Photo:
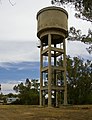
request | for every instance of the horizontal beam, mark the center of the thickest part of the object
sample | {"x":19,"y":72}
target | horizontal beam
{"x":57,"y":49}
{"x":44,"y":69}
{"x":58,"y":68}
{"x":57,"y":88}
{"x":44,"y":51}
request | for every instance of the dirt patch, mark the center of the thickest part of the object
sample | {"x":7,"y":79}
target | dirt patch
{"x":21,"y":112}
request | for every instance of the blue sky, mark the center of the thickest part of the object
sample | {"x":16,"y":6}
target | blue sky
{"x":18,"y":40}
{"x":15,"y":73}
{"x":18,"y":71}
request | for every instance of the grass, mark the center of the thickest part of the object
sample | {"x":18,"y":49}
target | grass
{"x":21,"y":112}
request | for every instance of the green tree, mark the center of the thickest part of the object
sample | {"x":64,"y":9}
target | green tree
{"x":11,"y":95}
{"x":82,"y":7}
{"x":76,"y":35}
{"x":0,"y":87}
{"x":83,"y":10}
{"x":79,"y":80}
{"x":79,"y":76}
{"x":27,"y":94}
{"x":35,"y":84}
{"x":1,"y":96}
{"x":79,"y":72}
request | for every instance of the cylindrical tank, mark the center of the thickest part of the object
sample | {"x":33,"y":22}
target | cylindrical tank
{"x":53,"y":20}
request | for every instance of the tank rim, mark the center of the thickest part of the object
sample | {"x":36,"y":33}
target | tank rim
{"x":51,"y":8}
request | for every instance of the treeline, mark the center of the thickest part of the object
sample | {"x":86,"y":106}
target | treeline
{"x":79,"y":84}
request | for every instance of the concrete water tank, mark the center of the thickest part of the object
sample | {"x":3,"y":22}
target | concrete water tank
{"x":52,"y":20}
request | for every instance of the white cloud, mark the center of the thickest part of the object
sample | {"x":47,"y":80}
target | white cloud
{"x":18,"y":29}
{"x":78,"y":49}
{"x":19,"y":22}
{"x":18,"y":25}
{"x":7,"y":88}
{"x":13,"y":51}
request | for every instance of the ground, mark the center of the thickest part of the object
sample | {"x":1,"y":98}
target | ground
{"x":21,"y":112}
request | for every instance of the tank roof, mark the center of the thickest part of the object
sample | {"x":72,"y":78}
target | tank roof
{"x":52,"y":8}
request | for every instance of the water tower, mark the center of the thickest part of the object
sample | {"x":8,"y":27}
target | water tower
{"x":52,"y":29}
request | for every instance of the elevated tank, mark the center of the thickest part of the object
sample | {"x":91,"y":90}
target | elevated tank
{"x":52,"y":29}
{"x":52,"y":20}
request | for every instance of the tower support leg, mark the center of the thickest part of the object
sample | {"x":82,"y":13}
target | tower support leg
{"x":49,"y":71}
{"x":41,"y":75}
{"x":64,"y":65}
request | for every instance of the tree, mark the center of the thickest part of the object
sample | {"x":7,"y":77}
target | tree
{"x":83,"y":7}
{"x":84,"y":11}
{"x":76,"y":35}
{"x":27,"y":94}
{"x":0,"y":87}
{"x":11,"y":2}
{"x":79,"y":76}
{"x":1,"y":96}
{"x":35,"y":84}
{"x":79,"y":80}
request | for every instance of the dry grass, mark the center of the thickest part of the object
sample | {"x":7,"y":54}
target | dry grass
{"x":12,"y":112}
